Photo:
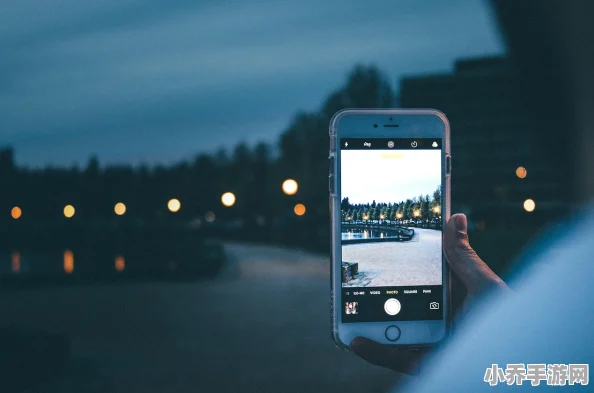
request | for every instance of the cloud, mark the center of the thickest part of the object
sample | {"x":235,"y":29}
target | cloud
{"x":94,"y":71}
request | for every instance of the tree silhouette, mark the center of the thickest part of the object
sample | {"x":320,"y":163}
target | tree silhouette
{"x":253,"y":173}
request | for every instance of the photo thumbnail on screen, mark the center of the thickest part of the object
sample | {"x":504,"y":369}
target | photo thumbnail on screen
{"x":391,"y":217}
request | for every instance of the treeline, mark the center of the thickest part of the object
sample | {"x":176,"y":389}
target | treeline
{"x":424,"y":208}
{"x":253,"y":173}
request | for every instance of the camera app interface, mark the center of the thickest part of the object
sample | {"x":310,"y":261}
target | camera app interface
{"x":391,"y":224}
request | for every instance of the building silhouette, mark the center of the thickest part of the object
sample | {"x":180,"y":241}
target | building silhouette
{"x":492,"y":135}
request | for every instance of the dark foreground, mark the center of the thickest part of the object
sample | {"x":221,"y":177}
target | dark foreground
{"x":262,"y":325}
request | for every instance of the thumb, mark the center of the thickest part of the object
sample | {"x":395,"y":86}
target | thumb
{"x":474,"y":274}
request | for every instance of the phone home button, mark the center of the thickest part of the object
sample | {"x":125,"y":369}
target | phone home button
{"x":393,"y":333}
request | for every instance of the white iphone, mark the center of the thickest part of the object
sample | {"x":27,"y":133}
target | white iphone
{"x":390,"y":200}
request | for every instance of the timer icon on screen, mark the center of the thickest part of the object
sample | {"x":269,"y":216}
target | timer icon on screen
{"x":414,"y":144}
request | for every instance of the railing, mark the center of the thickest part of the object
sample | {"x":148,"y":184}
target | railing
{"x":397,"y":233}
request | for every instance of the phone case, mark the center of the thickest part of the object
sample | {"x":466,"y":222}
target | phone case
{"x":335,"y":243}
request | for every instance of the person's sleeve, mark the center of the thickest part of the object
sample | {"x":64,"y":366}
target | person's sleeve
{"x":547,"y":320}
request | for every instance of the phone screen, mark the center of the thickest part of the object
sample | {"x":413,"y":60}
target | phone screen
{"x":391,"y":224}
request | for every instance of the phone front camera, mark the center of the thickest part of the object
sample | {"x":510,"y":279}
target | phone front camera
{"x":375,"y":126}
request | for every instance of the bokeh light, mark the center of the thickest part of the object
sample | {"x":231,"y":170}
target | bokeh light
{"x":290,"y":187}
{"x":436,"y":209}
{"x":521,"y":172}
{"x":174,"y":205}
{"x":529,"y":205}
{"x":69,"y":211}
{"x":228,"y":199}
{"x":16,"y":212}
{"x":68,"y":262}
{"x":299,"y":209}
{"x":119,"y":209}
{"x":416,"y":213}
{"x":120,"y":263}
{"x":16,"y":262}
{"x":209,"y":216}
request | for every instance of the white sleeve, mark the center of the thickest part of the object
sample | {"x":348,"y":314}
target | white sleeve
{"x":549,"y":320}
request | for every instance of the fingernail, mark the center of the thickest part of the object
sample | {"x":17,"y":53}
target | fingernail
{"x":461,"y":222}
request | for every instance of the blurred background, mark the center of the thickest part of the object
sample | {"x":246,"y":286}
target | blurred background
{"x":164,"y":220}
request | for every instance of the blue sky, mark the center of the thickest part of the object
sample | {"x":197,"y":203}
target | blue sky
{"x":157,"y":82}
{"x":403,"y":174}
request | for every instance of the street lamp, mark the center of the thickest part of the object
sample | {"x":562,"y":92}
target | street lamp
{"x":299,"y":209}
{"x":228,"y":199}
{"x":529,"y":205}
{"x":174,"y":205}
{"x":16,"y":212}
{"x":69,"y":211}
{"x":290,"y":187}
{"x":436,"y":209}
{"x":521,"y":172}
{"x":119,"y":209}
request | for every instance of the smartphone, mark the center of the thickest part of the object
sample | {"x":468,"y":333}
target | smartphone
{"x":390,"y":200}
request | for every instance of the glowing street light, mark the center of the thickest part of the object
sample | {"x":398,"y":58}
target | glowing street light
{"x":228,"y":199}
{"x":436,"y":209}
{"x":174,"y":205}
{"x":290,"y":187}
{"x":416,"y":213}
{"x":529,"y":205}
{"x":299,"y":209}
{"x":398,"y":215}
{"x":16,"y":212}
{"x":119,"y":209}
{"x":69,"y":211}
{"x":521,"y":172}
{"x":382,"y":217}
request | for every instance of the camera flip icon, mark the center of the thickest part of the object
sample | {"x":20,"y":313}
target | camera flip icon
{"x":434,"y":306}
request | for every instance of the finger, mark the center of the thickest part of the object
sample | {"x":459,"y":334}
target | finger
{"x":475,"y":275}
{"x":402,"y":360}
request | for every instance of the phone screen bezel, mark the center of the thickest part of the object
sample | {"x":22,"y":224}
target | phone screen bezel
{"x":359,"y":123}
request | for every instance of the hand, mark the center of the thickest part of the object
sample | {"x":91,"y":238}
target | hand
{"x":472,"y":273}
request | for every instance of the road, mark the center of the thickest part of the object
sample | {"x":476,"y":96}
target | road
{"x":415,"y":262}
{"x":261,"y":326}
